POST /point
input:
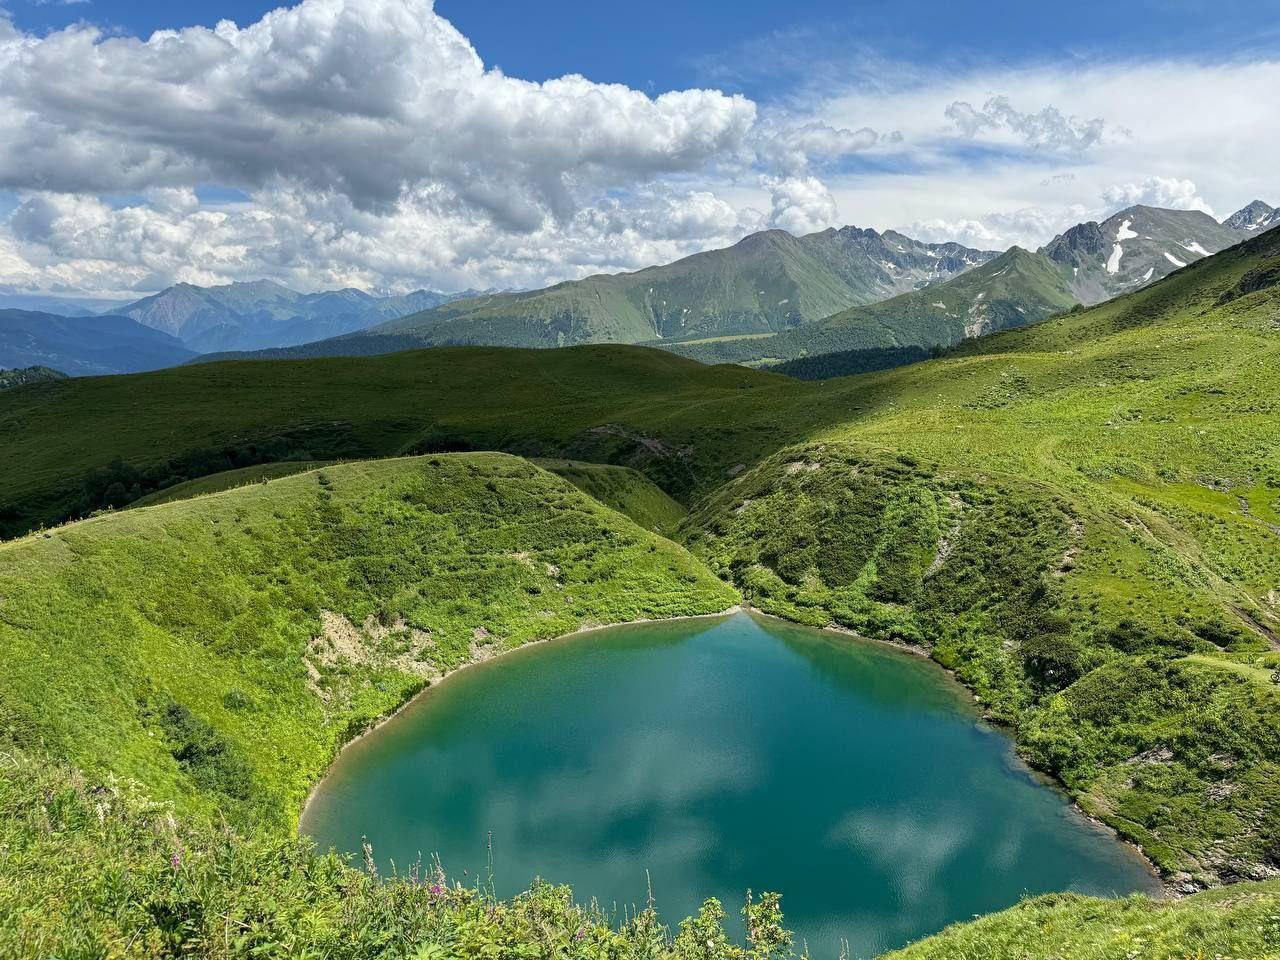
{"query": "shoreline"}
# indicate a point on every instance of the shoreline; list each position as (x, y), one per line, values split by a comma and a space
(429, 685)
(1163, 887)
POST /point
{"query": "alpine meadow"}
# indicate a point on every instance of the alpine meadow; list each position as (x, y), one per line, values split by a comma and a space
(906, 591)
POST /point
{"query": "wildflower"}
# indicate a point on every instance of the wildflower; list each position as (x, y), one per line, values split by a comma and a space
(580, 934)
(436, 889)
(175, 860)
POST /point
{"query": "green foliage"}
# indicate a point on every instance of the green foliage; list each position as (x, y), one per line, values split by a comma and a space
(90, 868)
(220, 649)
(1079, 518)
(1012, 290)
(1241, 923)
(23, 376)
(627, 491)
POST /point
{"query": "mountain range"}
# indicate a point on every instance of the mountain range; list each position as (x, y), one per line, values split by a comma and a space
(1090, 263)
(263, 314)
(770, 298)
(85, 346)
(183, 321)
(775, 297)
(1140, 245)
(768, 282)
(1016, 288)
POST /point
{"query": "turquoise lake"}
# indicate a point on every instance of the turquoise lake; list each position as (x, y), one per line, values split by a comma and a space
(712, 756)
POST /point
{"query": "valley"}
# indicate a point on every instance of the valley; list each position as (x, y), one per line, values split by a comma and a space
(1075, 517)
(503, 481)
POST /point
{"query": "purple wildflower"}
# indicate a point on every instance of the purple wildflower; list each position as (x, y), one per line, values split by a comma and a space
(175, 860)
(436, 889)
(581, 934)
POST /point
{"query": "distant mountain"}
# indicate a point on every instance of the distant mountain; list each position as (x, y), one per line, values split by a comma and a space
(1135, 247)
(1256, 217)
(26, 375)
(1016, 288)
(85, 346)
(768, 282)
(62, 306)
(263, 314)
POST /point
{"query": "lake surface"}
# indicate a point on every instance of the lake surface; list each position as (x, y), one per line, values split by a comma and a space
(722, 755)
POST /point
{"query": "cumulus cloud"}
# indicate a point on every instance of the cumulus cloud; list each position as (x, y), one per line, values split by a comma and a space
(365, 98)
(368, 144)
(374, 148)
(792, 147)
(1048, 129)
(313, 240)
(801, 204)
(1169, 192)
(1028, 227)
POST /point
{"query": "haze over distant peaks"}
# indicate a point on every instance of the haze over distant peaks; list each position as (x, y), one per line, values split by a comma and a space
(85, 346)
(263, 313)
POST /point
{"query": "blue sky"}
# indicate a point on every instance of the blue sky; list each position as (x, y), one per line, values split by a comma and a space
(669, 44)
(362, 143)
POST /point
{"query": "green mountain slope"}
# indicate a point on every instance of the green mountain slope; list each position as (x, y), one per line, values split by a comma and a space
(88, 443)
(1240, 922)
(767, 282)
(1080, 517)
(1015, 288)
(269, 623)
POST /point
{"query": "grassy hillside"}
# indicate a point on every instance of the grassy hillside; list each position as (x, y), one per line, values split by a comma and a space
(1241, 922)
(218, 650)
(88, 443)
(629, 492)
(227, 480)
(1014, 289)
(1080, 517)
(767, 282)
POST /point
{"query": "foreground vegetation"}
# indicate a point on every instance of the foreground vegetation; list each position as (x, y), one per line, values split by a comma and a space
(92, 869)
(1081, 519)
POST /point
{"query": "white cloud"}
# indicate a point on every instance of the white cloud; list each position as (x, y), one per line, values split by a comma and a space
(1048, 129)
(1170, 122)
(1027, 228)
(1169, 192)
(364, 97)
(376, 149)
(801, 204)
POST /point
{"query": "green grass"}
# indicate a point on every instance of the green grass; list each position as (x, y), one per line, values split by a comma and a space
(1057, 513)
(629, 492)
(113, 630)
(681, 424)
(227, 480)
(1240, 923)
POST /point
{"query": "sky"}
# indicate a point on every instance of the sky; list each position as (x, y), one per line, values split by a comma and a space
(398, 144)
